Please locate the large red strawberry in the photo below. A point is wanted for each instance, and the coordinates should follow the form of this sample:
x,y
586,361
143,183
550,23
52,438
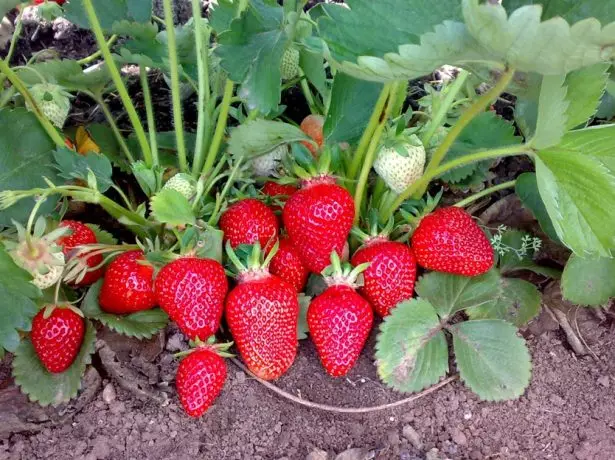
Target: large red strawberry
x,y
249,221
128,285
262,312
340,320
287,264
192,292
318,219
448,240
80,235
57,338
391,274
199,381
280,192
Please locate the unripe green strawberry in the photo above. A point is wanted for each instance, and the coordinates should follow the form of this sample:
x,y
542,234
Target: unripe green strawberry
x,y
400,163
267,164
290,64
53,101
181,183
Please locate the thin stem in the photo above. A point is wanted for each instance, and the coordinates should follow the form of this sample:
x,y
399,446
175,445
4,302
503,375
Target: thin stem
x,y
220,127
202,54
116,131
447,103
19,85
97,54
213,220
149,111
487,191
119,83
175,91
476,108
307,92
16,34
357,159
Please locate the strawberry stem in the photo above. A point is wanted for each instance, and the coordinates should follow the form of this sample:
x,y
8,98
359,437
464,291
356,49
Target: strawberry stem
x,y
487,191
149,113
220,127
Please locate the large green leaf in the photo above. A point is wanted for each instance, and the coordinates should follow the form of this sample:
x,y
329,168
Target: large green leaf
x,y
585,88
570,10
589,281
43,387
222,13
109,11
451,293
260,136
25,158
68,74
552,106
352,103
171,207
72,165
411,351
576,180
311,63
493,361
142,324
526,188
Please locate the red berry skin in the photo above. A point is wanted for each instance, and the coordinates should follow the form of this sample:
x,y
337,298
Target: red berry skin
x,y
287,264
57,339
318,219
192,292
339,321
128,285
390,276
81,235
199,381
312,125
249,221
279,191
262,312
40,2
448,240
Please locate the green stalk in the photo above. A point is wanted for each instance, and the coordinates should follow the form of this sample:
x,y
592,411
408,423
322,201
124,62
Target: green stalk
x,y
472,158
220,127
175,92
476,108
149,110
447,104
488,191
16,34
215,216
307,92
119,83
97,54
116,131
202,54
357,158
19,85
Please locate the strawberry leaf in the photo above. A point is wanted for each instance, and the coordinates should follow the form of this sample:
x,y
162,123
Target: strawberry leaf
x,y
569,10
258,137
102,236
311,63
585,88
67,73
526,189
493,361
171,207
142,324
411,351
589,281
72,165
43,387
452,293
222,13
551,119
109,11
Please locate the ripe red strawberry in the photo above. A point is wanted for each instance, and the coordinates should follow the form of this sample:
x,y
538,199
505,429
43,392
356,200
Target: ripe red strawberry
x,y
391,274
312,125
340,321
287,264
59,2
128,285
262,312
279,191
57,339
192,292
199,381
318,219
448,240
249,221
81,235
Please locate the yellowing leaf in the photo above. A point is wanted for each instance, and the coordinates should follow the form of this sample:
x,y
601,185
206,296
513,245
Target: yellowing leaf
x,y
85,143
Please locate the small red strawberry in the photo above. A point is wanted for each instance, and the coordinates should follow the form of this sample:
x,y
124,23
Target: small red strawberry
x,y
312,125
448,240
192,292
57,335
262,312
128,285
339,319
81,235
199,381
318,219
287,264
391,274
249,221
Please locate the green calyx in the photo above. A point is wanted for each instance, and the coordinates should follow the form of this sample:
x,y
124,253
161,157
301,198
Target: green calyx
x,y
49,308
221,349
247,260
343,274
413,211
306,167
376,230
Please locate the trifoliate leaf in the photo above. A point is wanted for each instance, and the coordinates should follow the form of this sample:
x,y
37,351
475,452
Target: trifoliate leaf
x,y
46,388
257,137
171,207
493,360
526,189
589,281
451,293
72,165
142,324
411,351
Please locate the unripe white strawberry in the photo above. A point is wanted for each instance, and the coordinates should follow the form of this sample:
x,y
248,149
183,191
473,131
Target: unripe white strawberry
x,y
290,64
181,183
400,162
53,101
267,164
52,275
